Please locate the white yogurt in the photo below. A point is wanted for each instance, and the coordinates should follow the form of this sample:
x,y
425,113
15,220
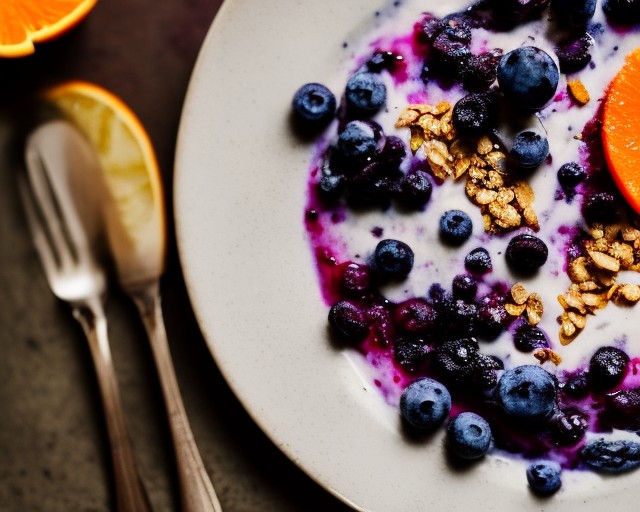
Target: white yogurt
x,y
352,239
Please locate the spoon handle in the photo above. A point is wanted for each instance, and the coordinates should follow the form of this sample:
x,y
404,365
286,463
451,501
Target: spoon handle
x,y
196,490
130,494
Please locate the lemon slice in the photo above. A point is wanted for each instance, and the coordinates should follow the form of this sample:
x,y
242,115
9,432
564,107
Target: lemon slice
x,y
134,206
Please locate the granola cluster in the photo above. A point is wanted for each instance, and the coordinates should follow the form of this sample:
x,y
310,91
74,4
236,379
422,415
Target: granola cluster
x,y
520,301
505,205
609,249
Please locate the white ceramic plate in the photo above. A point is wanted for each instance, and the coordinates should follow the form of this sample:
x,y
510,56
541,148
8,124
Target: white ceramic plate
x,y
240,192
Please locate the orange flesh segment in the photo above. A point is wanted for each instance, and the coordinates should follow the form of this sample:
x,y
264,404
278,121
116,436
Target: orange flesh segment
x,y
25,22
621,129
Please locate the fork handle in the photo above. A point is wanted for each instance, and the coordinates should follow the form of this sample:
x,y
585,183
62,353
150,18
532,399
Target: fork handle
x,y
130,494
196,490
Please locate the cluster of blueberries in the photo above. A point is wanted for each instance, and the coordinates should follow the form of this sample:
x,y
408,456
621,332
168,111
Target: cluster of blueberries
x,y
437,335
439,332
529,394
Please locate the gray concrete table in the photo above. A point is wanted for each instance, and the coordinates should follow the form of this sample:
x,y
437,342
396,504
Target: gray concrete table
x,y
53,450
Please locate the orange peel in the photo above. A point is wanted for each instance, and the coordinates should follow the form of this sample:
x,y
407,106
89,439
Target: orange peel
x,y
26,22
621,129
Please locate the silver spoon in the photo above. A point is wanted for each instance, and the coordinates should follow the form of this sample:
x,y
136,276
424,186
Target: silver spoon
x,y
139,260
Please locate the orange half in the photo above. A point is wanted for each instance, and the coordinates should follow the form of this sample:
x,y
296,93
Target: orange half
x,y
621,129
25,22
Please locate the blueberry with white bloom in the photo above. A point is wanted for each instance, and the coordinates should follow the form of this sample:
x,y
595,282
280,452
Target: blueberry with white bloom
x,y
360,140
528,77
529,149
527,392
544,477
611,456
314,105
469,436
455,227
392,259
425,403
366,93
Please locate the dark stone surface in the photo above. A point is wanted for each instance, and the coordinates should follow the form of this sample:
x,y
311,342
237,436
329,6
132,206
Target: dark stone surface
x,y
53,449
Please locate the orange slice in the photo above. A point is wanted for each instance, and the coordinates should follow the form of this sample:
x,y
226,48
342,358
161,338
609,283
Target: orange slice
x,y
621,129
25,22
134,214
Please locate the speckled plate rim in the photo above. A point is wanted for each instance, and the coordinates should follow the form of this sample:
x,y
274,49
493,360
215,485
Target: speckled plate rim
x,y
239,195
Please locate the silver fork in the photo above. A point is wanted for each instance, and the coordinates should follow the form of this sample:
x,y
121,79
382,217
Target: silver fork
x,y
56,157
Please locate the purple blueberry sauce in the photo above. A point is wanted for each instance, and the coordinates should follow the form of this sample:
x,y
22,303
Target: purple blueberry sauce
x,y
401,347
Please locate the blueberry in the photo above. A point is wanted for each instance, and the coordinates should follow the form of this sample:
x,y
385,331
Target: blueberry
x,y
348,319
571,174
430,27
573,12
394,151
544,477
438,296
455,227
366,93
392,259
331,187
569,427
425,403
314,105
623,408
450,50
529,150
356,278
481,70
409,353
527,392
360,140
611,456
484,371
464,287
469,436
511,12
528,338
415,316
370,186
528,77
624,12
478,261
474,114
607,367
526,253
380,325
484,380
600,207
461,319
454,359
577,385
575,54
415,189
459,361
458,26
625,401
383,60
491,321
